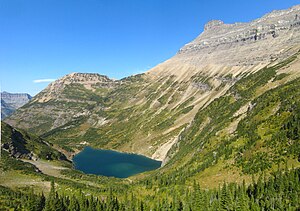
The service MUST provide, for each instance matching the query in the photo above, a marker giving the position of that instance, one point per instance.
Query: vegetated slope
(19, 151)
(280, 192)
(21, 145)
(146, 113)
(135, 114)
(252, 128)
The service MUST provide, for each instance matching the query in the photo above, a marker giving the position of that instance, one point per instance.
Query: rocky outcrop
(213, 25)
(12, 101)
(21, 145)
(16, 143)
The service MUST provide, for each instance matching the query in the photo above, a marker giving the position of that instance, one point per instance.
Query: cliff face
(243, 47)
(12, 101)
(261, 40)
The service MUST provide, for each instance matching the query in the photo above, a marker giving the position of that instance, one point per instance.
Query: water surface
(112, 163)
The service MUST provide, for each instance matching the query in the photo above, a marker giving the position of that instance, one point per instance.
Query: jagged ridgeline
(224, 107)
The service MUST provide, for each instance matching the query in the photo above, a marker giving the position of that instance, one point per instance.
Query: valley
(222, 117)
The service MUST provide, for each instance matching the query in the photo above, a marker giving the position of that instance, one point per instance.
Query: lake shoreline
(107, 162)
(77, 151)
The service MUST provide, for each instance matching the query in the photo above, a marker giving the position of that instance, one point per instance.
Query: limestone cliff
(12, 101)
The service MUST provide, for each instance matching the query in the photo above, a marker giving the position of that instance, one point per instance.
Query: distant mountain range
(12, 101)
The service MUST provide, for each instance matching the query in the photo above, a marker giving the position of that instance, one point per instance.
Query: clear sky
(47, 39)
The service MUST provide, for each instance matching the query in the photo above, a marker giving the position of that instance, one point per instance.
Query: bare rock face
(212, 25)
(15, 99)
(12, 101)
(259, 41)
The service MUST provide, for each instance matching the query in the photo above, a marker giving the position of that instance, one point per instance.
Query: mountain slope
(22, 145)
(228, 64)
(76, 92)
(253, 128)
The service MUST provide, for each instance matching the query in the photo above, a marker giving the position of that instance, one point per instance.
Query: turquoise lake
(112, 164)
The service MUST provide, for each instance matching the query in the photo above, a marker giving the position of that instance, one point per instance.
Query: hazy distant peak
(12, 101)
(5, 94)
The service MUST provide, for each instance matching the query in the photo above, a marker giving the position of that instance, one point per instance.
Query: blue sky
(47, 39)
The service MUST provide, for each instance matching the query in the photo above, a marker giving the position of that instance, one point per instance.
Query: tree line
(280, 191)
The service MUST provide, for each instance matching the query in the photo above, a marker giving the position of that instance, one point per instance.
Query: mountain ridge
(271, 38)
(12, 101)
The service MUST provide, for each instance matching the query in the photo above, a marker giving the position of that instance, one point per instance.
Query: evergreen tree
(226, 198)
(74, 204)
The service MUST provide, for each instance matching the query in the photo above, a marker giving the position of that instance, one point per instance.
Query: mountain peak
(12, 101)
(258, 42)
(90, 81)
(81, 77)
(213, 24)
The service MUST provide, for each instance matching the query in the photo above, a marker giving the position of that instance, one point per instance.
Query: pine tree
(197, 197)
(243, 204)
(51, 201)
(226, 198)
(40, 202)
(74, 204)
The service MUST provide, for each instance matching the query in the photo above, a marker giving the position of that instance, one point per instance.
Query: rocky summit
(89, 81)
(12, 101)
(241, 46)
(257, 37)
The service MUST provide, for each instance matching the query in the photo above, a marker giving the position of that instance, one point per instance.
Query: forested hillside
(279, 192)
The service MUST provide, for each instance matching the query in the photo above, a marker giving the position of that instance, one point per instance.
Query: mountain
(223, 115)
(12, 101)
(146, 113)
(189, 109)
